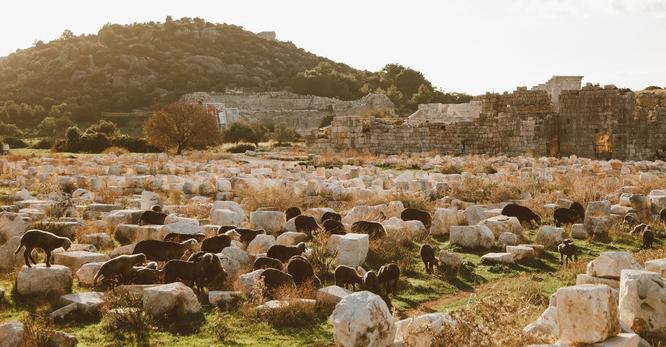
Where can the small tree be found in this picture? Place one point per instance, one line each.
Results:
(182, 126)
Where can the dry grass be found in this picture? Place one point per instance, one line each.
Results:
(389, 250)
(323, 261)
(38, 329)
(278, 197)
(130, 326)
(296, 313)
(115, 150)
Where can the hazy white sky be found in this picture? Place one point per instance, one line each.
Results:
(460, 45)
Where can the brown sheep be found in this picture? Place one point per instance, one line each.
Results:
(283, 253)
(565, 216)
(216, 244)
(568, 251)
(148, 274)
(334, 227)
(163, 251)
(371, 282)
(43, 240)
(374, 229)
(247, 235)
(524, 214)
(301, 270)
(416, 214)
(328, 215)
(266, 263)
(575, 206)
(215, 274)
(388, 276)
(152, 218)
(428, 258)
(191, 273)
(178, 237)
(648, 238)
(292, 212)
(346, 275)
(273, 279)
(662, 216)
(118, 268)
(306, 224)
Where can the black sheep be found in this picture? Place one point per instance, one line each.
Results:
(416, 214)
(292, 212)
(215, 275)
(247, 235)
(334, 227)
(662, 216)
(579, 209)
(565, 216)
(223, 229)
(328, 215)
(162, 250)
(568, 251)
(428, 257)
(301, 270)
(43, 240)
(273, 279)
(374, 229)
(152, 218)
(178, 237)
(648, 238)
(388, 276)
(283, 253)
(306, 224)
(524, 214)
(216, 244)
(148, 274)
(346, 275)
(371, 282)
(266, 262)
(191, 273)
(118, 268)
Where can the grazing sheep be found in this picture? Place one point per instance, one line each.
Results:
(371, 282)
(374, 229)
(334, 227)
(283, 253)
(346, 275)
(565, 216)
(223, 229)
(638, 229)
(575, 206)
(292, 212)
(648, 238)
(43, 240)
(428, 257)
(162, 250)
(247, 235)
(152, 218)
(274, 278)
(301, 270)
(215, 274)
(178, 237)
(191, 273)
(216, 244)
(568, 251)
(416, 214)
(148, 274)
(662, 216)
(524, 214)
(328, 215)
(631, 218)
(306, 224)
(388, 276)
(267, 263)
(119, 267)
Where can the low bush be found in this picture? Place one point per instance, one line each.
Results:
(43, 144)
(14, 142)
(123, 317)
(38, 329)
(242, 148)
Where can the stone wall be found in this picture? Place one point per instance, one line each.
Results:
(556, 84)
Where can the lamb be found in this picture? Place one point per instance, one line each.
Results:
(192, 273)
(568, 251)
(306, 224)
(328, 215)
(416, 214)
(267, 263)
(119, 267)
(346, 275)
(178, 237)
(148, 274)
(273, 279)
(283, 253)
(292, 212)
(163, 251)
(43, 240)
(428, 257)
(301, 270)
(371, 282)
(216, 244)
(152, 218)
(388, 276)
(247, 235)
(374, 229)
(524, 214)
(334, 227)
(566, 216)
(648, 238)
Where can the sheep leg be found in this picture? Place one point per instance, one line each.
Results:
(48, 258)
(26, 257)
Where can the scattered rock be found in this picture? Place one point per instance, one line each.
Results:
(472, 236)
(611, 264)
(351, 249)
(44, 281)
(173, 298)
(362, 319)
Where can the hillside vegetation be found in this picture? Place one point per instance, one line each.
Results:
(145, 65)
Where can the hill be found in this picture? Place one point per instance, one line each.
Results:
(143, 65)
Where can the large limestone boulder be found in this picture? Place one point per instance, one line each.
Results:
(545, 327)
(173, 298)
(291, 238)
(611, 264)
(260, 244)
(365, 213)
(9, 260)
(229, 205)
(11, 334)
(521, 252)
(248, 281)
(549, 236)
(472, 236)
(586, 314)
(11, 225)
(225, 216)
(394, 209)
(331, 295)
(415, 230)
(182, 226)
(657, 200)
(44, 281)
(351, 249)
(507, 239)
(363, 319)
(86, 273)
(150, 199)
(272, 221)
(497, 258)
(597, 209)
(474, 214)
(424, 330)
(452, 261)
(643, 297)
(99, 240)
(74, 260)
(87, 302)
(657, 266)
(443, 219)
(502, 224)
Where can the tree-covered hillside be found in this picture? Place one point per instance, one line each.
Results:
(144, 65)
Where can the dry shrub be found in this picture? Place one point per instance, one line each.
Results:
(497, 317)
(450, 169)
(116, 150)
(38, 329)
(650, 254)
(175, 196)
(294, 314)
(278, 197)
(323, 261)
(567, 273)
(473, 189)
(131, 325)
(418, 201)
(504, 192)
(390, 250)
